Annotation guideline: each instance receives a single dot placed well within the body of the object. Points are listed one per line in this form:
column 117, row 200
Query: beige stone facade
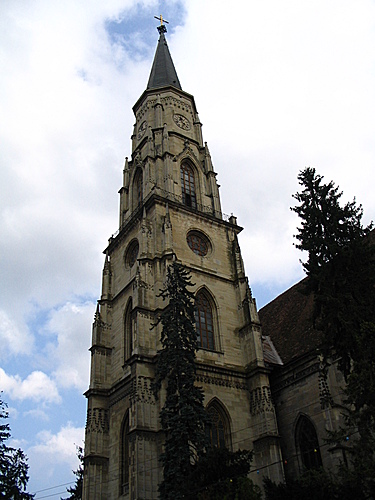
column 170, row 210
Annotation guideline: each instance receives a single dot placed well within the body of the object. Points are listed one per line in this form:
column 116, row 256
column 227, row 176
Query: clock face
column 141, row 130
column 181, row 121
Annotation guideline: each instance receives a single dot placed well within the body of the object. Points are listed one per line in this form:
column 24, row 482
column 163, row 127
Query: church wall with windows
column 301, row 392
column 305, row 413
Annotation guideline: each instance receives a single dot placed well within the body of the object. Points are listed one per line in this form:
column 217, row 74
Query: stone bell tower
column 170, row 210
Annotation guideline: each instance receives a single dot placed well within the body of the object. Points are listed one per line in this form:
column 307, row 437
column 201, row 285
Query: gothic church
column 170, row 210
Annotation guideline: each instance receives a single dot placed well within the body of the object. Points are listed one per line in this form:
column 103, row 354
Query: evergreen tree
column 221, row 474
column 183, row 416
column 340, row 265
column 76, row 490
column 13, row 464
column 313, row 484
column 341, row 275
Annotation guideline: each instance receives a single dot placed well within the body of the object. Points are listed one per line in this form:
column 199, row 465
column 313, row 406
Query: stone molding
column 261, row 400
column 141, row 391
column 223, row 382
column 296, row 377
column 97, row 420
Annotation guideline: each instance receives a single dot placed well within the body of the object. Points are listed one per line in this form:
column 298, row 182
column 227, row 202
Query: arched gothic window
column 124, row 465
column 218, row 429
column 188, row 186
column 204, row 321
column 308, row 444
column 128, row 332
column 138, row 189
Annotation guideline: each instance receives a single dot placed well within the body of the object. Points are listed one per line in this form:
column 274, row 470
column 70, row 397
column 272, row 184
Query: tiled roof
column 271, row 356
column 287, row 320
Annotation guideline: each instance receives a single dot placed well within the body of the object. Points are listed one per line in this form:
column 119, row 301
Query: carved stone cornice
column 97, row 420
column 293, row 377
column 137, row 389
column 222, row 382
column 143, row 435
column 101, row 349
column 95, row 460
column 261, row 400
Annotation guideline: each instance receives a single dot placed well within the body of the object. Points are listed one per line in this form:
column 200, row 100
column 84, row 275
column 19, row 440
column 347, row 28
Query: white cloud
column 37, row 414
column 70, row 358
column 59, row 451
column 12, row 412
column 36, row 387
column 59, row 447
column 13, row 339
column 278, row 87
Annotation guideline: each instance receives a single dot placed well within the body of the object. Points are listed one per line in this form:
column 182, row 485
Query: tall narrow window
column 308, row 444
column 138, row 189
column 124, row 466
column 216, row 428
column 188, row 186
column 204, row 321
column 128, row 332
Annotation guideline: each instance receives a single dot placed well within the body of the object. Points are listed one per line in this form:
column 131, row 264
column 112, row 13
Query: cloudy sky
column 278, row 85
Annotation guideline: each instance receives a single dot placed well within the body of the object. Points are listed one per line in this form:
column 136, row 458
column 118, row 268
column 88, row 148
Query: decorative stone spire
column 106, row 279
column 163, row 72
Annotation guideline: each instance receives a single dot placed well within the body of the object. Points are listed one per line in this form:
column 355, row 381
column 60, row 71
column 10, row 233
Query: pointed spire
column 97, row 315
column 163, row 72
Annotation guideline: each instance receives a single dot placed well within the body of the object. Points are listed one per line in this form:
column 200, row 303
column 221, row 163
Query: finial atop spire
column 161, row 29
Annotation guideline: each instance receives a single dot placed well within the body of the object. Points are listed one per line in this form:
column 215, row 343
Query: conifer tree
column 341, row 275
column 222, row 474
column 13, row 464
column 183, row 416
column 75, row 491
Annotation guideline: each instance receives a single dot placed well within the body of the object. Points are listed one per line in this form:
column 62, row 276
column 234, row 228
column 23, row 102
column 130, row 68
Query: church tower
column 170, row 210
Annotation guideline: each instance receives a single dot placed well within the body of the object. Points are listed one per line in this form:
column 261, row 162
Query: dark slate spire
column 163, row 72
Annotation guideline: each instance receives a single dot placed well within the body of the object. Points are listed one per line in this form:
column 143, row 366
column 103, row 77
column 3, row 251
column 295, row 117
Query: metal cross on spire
column 161, row 28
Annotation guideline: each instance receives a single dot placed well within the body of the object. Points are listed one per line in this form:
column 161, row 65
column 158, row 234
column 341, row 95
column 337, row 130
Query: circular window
column 198, row 243
column 132, row 253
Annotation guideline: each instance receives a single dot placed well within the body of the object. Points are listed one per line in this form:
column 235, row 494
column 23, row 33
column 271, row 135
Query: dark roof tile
column 287, row 320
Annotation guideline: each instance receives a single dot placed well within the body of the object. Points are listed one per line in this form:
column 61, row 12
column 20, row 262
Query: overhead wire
column 283, row 460
column 233, row 443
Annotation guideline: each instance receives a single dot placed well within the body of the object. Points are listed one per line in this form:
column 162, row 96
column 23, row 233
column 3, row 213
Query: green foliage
column 340, row 265
column 341, row 275
column 313, row 484
column 221, row 475
column 76, row 490
column 183, row 416
column 13, row 464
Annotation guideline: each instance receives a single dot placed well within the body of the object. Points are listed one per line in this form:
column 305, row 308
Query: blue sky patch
column 135, row 29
